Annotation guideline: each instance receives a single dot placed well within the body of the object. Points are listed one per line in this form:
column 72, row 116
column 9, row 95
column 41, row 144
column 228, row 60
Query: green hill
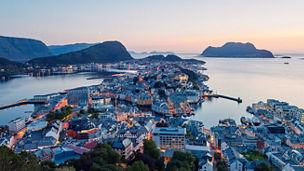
column 106, row 52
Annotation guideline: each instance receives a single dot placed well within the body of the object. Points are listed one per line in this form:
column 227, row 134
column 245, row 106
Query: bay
column 26, row 87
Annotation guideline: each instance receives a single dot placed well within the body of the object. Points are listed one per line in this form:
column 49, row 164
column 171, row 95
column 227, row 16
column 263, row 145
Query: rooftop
column 181, row 131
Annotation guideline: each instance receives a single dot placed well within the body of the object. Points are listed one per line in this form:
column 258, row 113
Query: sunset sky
column 163, row 25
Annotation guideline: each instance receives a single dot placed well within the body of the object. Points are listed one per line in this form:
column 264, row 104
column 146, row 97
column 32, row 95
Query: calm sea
column 26, row 87
column 252, row 80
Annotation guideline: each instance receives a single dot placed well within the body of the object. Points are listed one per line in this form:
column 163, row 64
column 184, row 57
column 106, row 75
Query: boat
column 286, row 62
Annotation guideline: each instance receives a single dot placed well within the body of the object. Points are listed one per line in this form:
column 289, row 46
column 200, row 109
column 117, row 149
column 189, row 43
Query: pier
column 239, row 100
column 22, row 102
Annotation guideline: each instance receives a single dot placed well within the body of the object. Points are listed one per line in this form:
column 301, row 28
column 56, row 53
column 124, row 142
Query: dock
column 22, row 102
column 239, row 100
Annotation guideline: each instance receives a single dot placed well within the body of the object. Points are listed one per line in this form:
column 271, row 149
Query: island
column 236, row 50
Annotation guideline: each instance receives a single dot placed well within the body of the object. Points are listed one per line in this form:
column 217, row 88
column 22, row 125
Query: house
column 144, row 99
column 98, row 102
column 205, row 165
column 276, row 159
column 123, row 146
column 235, row 161
column 36, row 125
column 63, row 154
column 44, row 154
column 289, row 167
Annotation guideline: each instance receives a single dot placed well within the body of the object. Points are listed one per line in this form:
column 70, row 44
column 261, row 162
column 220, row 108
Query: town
column 151, row 103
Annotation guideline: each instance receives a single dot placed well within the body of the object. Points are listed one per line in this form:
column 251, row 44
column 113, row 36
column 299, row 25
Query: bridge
column 239, row 100
column 22, row 102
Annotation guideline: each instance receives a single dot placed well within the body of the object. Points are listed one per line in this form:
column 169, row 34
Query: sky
column 162, row 25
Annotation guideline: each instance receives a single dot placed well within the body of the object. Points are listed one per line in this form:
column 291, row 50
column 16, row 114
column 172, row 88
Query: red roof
column 78, row 150
column 90, row 145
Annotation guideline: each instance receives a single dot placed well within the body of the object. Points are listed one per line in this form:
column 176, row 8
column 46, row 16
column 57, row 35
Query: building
column 78, row 97
column 98, row 102
column 144, row 100
column 205, row 165
column 123, row 146
column 16, row 125
column 169, row 138
column 36, row 125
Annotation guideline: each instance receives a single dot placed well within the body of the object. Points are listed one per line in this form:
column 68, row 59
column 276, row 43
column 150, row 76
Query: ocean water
column 252, row 80
column 26, row 87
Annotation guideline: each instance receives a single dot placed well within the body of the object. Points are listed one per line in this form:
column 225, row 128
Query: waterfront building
column 78, row 97
column 169, row 138
column 16, row 125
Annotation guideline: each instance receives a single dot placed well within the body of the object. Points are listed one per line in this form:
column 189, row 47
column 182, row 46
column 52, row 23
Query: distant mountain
column 62, row 49
column 139, row 55
column 240, row 50
column 22, row 49
column 170, row 58
column 162, row 52
column 106, row 52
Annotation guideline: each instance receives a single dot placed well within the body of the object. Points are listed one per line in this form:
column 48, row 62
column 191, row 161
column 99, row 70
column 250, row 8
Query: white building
column 16, row 125
column 205, row 165
column 169, row 138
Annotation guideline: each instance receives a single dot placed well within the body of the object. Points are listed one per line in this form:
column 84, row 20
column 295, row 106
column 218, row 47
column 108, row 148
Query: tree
column 221, row 166
column 162, row 124
column 184, row 156
column 217, row 156
column 138, row 166
column 162, row 93
column 158, row 84
column 65, row 169
column 9, row 160
column 103, row 157
column 159, row 164
column 151, row 149
column 182, row 161
column 82, row 111
column 263, row 167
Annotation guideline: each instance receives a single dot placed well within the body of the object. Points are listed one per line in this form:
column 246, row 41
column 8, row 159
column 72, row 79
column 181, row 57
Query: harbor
column 239, row 100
